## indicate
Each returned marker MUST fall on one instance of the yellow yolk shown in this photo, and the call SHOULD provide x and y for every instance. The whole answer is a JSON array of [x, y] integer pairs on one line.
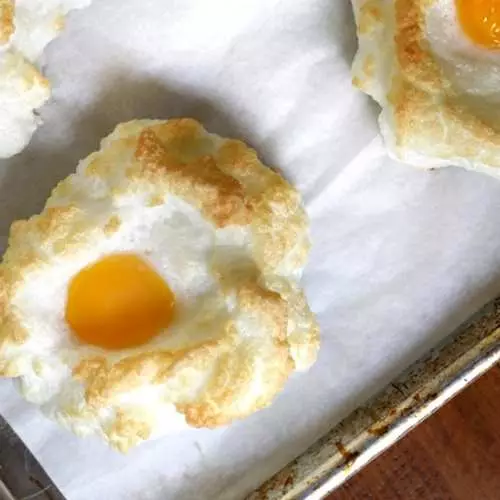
[[480, 20], [118, 302]]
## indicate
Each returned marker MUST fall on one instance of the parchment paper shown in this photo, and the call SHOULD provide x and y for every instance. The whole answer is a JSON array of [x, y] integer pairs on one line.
[[400, 256]]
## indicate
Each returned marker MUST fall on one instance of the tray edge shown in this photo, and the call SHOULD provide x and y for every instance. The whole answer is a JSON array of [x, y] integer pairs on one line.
[[419, 391]]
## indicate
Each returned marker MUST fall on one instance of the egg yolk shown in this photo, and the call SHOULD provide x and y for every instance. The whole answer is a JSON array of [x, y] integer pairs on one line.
[[118, 302], [480, 20]]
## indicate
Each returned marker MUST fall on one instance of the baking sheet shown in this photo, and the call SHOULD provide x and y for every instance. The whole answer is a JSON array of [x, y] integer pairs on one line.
[[400, 256], [429, 383]]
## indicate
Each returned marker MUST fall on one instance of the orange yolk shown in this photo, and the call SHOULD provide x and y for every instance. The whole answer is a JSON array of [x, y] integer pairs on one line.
[[480, 20], [118, 302]]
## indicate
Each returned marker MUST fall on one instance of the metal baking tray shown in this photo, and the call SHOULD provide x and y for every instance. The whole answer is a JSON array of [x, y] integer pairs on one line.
[[428, 384], [417, 393]]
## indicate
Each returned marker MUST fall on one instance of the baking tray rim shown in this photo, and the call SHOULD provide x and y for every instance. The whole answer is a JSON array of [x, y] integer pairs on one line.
[[463, 356]]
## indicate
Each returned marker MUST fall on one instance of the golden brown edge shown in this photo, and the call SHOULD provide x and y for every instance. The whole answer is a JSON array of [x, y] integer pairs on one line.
[[6, 20], [420, 92], [59, 227]]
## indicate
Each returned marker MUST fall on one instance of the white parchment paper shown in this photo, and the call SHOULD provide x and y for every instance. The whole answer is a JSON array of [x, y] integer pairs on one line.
[[400, 256]]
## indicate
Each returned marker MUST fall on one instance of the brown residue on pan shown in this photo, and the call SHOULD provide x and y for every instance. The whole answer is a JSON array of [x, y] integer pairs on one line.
[[283, 481], [349, 456], [378, 430]]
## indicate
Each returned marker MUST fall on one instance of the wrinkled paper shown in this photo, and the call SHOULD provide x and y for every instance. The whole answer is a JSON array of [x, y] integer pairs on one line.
[[400, 256]]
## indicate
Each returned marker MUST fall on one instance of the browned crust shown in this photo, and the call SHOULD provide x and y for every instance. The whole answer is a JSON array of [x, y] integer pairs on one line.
[[218, 404], [218, 196], [428, 117], [413, 53], [275, 230], [6, 20], [226, 182], [103, 379]]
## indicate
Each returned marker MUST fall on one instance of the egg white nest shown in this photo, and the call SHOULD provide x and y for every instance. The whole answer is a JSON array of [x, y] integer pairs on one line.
[[226, 233], [438, 90], [26, 27]]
